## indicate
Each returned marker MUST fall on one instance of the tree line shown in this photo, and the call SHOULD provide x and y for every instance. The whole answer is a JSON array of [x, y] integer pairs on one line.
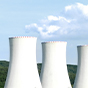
[[4, 69]]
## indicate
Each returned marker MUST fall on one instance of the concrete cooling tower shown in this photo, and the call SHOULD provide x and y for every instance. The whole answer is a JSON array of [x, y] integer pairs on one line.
[[54, 72], [22, 72], [81, 80]]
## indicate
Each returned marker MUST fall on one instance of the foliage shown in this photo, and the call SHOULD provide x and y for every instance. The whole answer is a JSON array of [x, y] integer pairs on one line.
[[72, 72], [4, 68], [39, 65], [3, 74], [4, 63]]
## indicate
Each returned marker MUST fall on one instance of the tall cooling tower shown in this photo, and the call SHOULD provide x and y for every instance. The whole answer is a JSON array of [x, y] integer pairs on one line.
[[22, 72], [81, 80], [54, 72]]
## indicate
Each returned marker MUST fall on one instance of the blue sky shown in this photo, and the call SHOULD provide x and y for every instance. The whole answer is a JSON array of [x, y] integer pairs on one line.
[[48, 20]]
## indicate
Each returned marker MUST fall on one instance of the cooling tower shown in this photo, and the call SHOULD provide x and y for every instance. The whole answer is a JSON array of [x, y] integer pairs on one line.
[[22, 72], [54, 72], [81, 80]]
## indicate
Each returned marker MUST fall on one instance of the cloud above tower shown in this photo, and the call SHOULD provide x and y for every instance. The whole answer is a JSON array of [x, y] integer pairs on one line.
[[71, 23]]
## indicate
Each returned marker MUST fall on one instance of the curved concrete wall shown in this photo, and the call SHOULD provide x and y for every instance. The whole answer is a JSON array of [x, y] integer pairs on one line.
[[81, 80], [22, 72], [54, 72]]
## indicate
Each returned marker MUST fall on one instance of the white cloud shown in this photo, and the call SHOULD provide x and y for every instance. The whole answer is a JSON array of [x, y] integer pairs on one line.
[[47, 31], [72, 23], [31, 26], [64, 19], [68, 7], [52, 18], [52, 28], [77, 8], [83, 8]]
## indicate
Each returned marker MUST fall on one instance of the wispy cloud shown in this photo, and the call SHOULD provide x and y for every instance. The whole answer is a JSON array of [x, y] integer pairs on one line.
[[73, 23]]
